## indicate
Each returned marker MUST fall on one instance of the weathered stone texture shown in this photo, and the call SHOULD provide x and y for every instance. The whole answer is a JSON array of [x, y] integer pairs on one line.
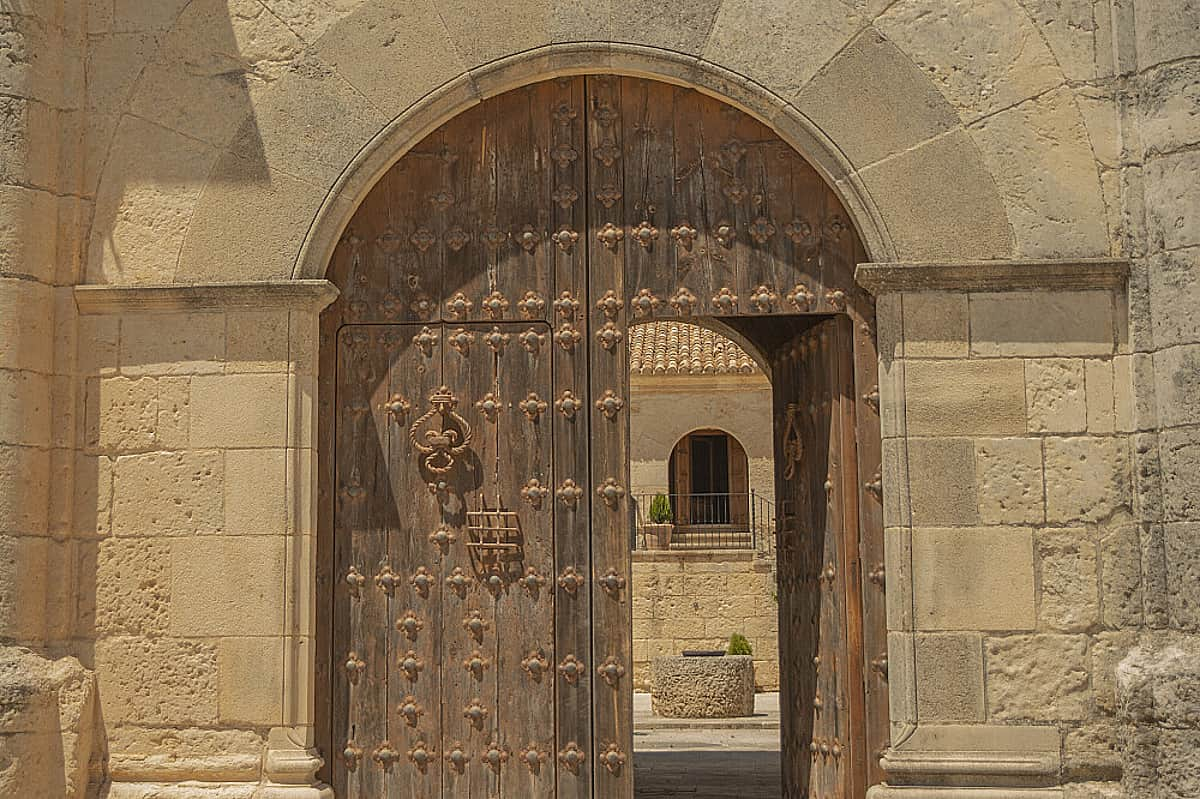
[[1183, 574], [132, 588], [1180, 453], [157, 681], [1121, 577], [1173, 200], [703, 687], [935, 325], [1087, 479], [941, 488], [1042, 324], [950, 678], [1068, 595], [1009, 479], [168, 493], [1092, 752], [1039, 677], [973, 578], [965, 397], [1054, 395], [1159, 708], [227, 585]]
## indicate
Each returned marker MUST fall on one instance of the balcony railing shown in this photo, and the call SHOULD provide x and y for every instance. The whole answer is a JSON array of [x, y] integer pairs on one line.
[[710, 521]]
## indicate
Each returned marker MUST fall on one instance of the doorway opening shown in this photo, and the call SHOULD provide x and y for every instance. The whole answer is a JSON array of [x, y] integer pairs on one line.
[[478, 519]]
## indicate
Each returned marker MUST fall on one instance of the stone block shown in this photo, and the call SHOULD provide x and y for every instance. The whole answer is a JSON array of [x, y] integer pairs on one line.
[[950, 678], [1033, 324], [940, 201], [227, 586], [1108, 650], [1174, 279], [966, 397], [1087, 478], [1179, 451], [174, 413], [703, 687], [1177, 385], [1055, 395], [158, 682], [257, 341], [121, 414], [1037, 678], [168, 494], [132, 589], [973, 578], [164, 343], [91, 498], [26, 510], [1068, 581], [1009, 479], [1167, 105], [1173, 200], [1121, 577], [135, 752], [24, 565], [250, 681], [906, 106], [1165, 30], [1092, 752], [26, 335], [255, 491], [935, 325], [1093, 790], [1101, 401], [98, 345], [239, 410], [1183, 575], [25, 408], [941, 481]]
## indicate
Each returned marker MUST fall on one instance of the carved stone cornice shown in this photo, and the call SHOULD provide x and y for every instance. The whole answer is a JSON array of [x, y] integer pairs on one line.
[[301, 295], [1079, 274]]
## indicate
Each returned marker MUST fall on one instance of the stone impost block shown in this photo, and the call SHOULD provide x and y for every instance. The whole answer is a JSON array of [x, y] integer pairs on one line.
[[1043, 324], [168, 494], [1039, 677], [1009, 478], [1087, 478], [227, 586], [935, 325], [172, 343], [973, 578], [950, 677], [257, 341], [703, 687], [965, 397], [1092, 751]]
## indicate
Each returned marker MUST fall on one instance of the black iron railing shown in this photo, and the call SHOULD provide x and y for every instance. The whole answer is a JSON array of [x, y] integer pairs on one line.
[[707, 521]]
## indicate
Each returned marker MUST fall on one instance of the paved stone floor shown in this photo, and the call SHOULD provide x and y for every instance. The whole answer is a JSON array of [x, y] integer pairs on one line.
[[701, 760]]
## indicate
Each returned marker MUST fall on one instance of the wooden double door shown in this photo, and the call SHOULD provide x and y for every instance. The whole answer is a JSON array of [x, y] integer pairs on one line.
[[475, 431]]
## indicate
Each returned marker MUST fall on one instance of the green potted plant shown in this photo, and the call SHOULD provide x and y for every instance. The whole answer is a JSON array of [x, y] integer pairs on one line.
[[661, 523]]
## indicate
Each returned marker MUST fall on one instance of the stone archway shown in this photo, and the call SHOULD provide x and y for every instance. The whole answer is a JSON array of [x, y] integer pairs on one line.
[[488, 280]]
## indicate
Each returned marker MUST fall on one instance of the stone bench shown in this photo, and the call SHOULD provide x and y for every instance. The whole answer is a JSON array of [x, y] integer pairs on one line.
[[703, 687]]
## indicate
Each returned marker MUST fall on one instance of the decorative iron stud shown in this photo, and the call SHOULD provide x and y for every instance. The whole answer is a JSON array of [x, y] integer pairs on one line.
[[645, 234], [571, 669], [385, 756], [567, 336], [878, 575], [422, 580], [390, 304], [534, 492], [836, 748], [456, 238], [411, 664], [496, 340], [410, 710], [608, 195], [875, 484], [684, 301], [836, 299], [476, 625], [563, 154], [566, 306], [422, 306], [528, 237], [565, 195], [442, 537], [569, 493], [420, 755], [684, 235], [494, 237], [611, 671], [725, 234], [568, 404], [872, 398], [354, 667], [610, 236], [610, 404], [531, 304], [607, 153], [535, 665], [494, 582], [458, 581], [494, 305], [457, 757], [763, 299], [612, 582], [610, 304], [613, 758], [532, 758], [461, 340], [397, 407], [441, 200], [410, 625], [725, 301], [494, 756], [532, 340], [571, 757], [532, 581], [427, 339], [458, 306], [761, 229], [798, 230], [609, 336], [735, 190], [422, 238], [644, 303], [565, 238], [533, 406], [834, 227], [475, 713], [355, 581], [352, 755], [610, 491], [880, 666], [476, 664], [571, 580], [489, 406], [829, 575]]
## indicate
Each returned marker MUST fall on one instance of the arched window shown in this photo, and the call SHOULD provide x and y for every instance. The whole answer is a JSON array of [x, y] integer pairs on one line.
[[709, 480]]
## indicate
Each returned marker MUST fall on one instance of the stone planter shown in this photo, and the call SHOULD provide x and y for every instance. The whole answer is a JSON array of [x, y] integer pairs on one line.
[[658, 536], [703, 687]]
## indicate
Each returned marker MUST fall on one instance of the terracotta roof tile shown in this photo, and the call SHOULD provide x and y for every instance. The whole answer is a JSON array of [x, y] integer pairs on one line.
[[679, 348]]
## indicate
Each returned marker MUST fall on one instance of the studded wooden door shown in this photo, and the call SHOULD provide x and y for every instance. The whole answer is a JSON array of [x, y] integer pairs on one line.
[[474, 433]]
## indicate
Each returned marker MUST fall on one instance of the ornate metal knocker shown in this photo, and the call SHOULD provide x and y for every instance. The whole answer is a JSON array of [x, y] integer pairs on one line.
[[793, 447], [442, 445]]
